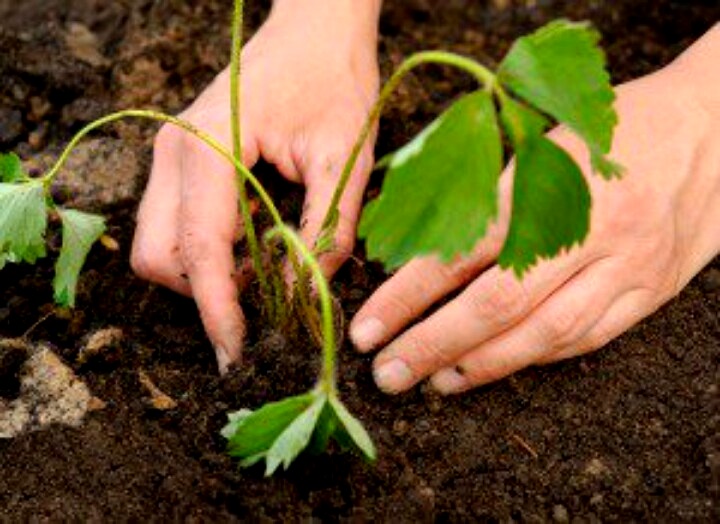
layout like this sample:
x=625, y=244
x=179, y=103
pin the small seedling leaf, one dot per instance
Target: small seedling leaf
x=440, y=190
x=324, y=430
x=560, y=69
x=294, y=438
x=257, y=431
x=235, y=419
x=11, y=169
x=79, y=232
x=7, y=258
x=354, y=429
x=551, y=198
x=23, y=221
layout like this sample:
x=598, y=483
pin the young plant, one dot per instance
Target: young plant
x=439, y=195
x=279, y=431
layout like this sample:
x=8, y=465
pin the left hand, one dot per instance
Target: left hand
x=650, y=233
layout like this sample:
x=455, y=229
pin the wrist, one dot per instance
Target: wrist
x=356, y=19
x=695, y=76
x=697, y=67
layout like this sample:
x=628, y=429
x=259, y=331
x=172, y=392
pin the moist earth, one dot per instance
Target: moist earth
x=630, y=433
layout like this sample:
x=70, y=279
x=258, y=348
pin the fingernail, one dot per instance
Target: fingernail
x=394, y=376
x=223, y=359
x=448, y=381
x=367, y=333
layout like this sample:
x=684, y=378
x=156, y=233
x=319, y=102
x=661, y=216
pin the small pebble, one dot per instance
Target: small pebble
x=100, y=342
x=560, y=514
x=158, y=399
x=400, y=427
x=595, y=468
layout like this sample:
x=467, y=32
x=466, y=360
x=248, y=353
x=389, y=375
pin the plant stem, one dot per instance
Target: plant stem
x=327, y=378
x=187, y=126
x=483, y=75
x=235, y=115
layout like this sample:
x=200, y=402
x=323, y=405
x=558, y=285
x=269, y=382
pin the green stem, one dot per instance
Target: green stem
x=483, y=75
x=235, y=115
x=295, y=243
x=187, y=126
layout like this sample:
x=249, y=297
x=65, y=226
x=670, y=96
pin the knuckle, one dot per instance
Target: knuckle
x=146, y=264
x=560, y=328
x=506, y=300
x=167, y=135
x=392, y=304
x=479, y=373
x=196, y=249
x=458, y=272
x=595, y=340
x=424, y=353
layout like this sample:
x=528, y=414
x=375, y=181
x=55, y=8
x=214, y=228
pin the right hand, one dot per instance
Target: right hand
x=308, y=81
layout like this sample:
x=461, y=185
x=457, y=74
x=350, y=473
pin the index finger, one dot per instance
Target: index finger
x=209, y=216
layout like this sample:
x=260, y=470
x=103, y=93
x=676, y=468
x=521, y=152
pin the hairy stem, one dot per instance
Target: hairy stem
x=483, y=75
x=235, y=114
x=187, y=126
x=327, y=378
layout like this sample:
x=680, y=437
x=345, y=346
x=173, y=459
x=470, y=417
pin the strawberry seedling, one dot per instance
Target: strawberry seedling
x=439, y=195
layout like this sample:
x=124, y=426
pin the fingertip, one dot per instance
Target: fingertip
x=449, y=381
x=394, y=376
x=228, y=345
x=367, y=334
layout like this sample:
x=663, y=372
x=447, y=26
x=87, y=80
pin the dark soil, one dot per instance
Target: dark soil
x=631, y=433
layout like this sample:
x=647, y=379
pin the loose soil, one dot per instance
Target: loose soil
x=631, y=433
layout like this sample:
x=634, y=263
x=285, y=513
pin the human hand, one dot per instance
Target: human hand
x=308, y=82
x=650, y=233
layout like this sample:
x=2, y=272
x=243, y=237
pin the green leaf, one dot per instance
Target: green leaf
x=79, y=232
x=324, y=429
x=354, y=429
x=7, y=258
x=520, y=122
x=235, y=419
x=560, y=69
x=294, y=438
x=23, y=221
x=259, y=430
x=11, y=169
x=551, y=205
x=440, y=191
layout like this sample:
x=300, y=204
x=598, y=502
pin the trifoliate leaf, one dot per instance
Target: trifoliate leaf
x=354, y=429
x=551, y=205
x=294, y=438
x=23, y=221
x=440, y=190
x=11, y=169
x=258, y=431
x=560, y=69
x=79, y=232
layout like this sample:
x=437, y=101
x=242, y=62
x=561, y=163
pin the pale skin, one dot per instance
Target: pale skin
x=307, y=89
